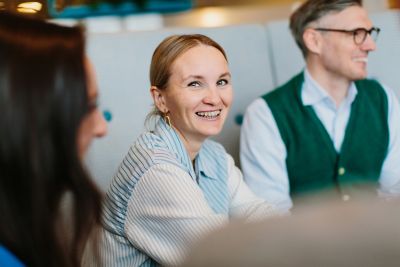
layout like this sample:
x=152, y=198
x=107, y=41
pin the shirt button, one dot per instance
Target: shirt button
x=341, y=171
x=345, y=197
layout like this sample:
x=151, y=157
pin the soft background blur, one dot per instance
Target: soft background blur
x=154, y=14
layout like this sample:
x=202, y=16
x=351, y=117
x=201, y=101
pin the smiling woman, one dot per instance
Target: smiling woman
x=174, y=184
x=198, y=95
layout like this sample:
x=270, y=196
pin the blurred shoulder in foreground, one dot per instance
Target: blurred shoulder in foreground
x=330, y=234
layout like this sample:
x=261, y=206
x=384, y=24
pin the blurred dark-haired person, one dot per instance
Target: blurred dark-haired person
x=48, y=117
x=175, y=184
x=329, y=128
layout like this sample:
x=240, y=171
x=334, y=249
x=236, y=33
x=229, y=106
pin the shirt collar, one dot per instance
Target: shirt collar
x=203, y=165
x=312, y=93
x=174, y=144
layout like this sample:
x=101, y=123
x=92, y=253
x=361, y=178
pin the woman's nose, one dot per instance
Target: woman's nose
x=212, y=96
x=100, y=127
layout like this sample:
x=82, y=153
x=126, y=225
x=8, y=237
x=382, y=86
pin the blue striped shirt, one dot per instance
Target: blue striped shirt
x=158, y=204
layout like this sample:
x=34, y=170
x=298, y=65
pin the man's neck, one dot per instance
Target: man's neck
x=335, y=85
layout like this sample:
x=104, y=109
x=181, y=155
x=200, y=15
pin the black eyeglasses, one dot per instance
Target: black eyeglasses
x=359, y=34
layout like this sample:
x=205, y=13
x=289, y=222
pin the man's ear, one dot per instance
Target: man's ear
x=312, y=40
x=158, y=99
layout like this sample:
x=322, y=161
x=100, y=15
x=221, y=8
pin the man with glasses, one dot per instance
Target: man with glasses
x=329, y=128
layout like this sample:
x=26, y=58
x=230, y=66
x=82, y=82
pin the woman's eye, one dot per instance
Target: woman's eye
x=194, y=84
x=222, y=82
x=93, y=104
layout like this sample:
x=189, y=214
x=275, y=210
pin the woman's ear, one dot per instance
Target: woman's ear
x=312, y=40
x=158, y=99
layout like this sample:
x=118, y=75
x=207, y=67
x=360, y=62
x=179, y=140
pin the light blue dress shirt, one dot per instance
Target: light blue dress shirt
x=263, y=152
x=158, y=204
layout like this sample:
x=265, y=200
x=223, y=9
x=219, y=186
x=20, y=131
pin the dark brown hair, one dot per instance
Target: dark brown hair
x=43, y=99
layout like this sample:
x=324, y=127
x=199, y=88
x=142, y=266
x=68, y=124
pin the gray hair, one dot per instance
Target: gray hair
x=313, y=10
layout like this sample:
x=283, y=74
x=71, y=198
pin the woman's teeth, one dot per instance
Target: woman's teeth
x=209, y=114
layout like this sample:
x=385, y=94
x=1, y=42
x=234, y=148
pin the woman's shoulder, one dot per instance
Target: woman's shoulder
x=148, y=150
x=154, y=149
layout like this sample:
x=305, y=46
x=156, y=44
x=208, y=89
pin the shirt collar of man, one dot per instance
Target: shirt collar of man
x=312, y=93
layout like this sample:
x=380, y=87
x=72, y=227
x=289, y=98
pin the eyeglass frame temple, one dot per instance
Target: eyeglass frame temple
x=377, y=29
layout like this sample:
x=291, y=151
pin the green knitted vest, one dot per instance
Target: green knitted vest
x=312, y=161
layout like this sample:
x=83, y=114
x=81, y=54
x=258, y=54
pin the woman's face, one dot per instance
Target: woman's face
x=93, y=124
x=199, y=93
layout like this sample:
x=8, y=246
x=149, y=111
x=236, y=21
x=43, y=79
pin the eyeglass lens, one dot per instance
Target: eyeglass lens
x=361, y=34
